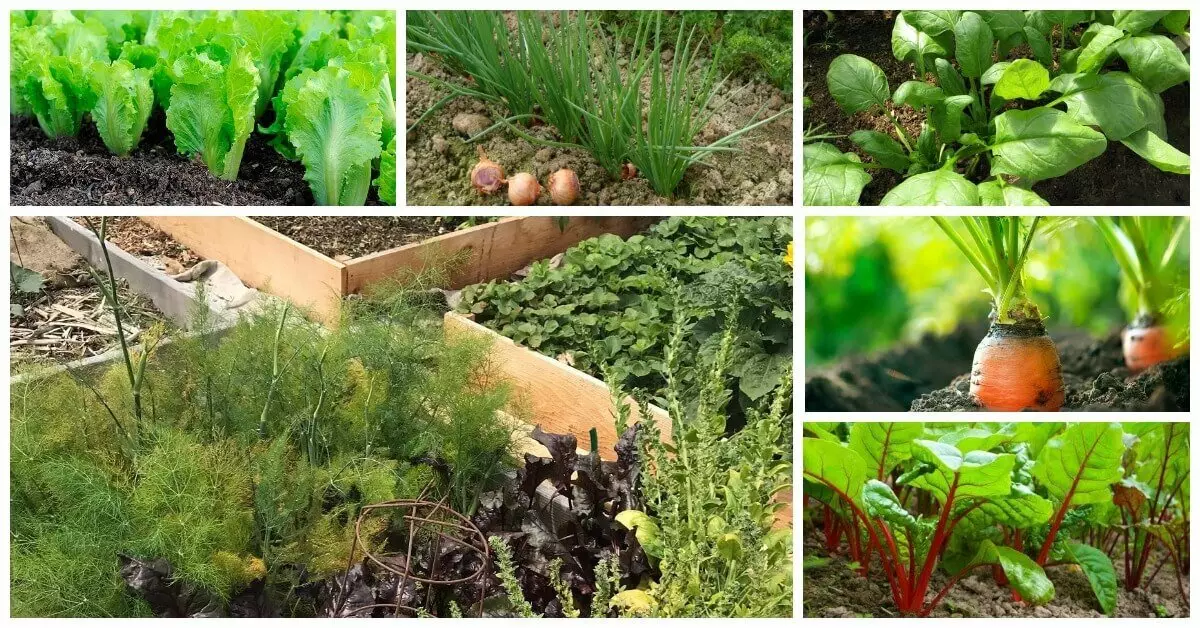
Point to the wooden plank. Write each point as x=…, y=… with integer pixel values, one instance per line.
x=558, y=397
x=263, y=259
x=492, y=251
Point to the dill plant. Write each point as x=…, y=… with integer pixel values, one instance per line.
x=245, y=471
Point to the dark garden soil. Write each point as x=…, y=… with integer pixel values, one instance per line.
x=81, y=171
x=347, y=237
x=1117, y=177
x=439, y=161
x=934, y=376
x=831, y=589
x=156, y=247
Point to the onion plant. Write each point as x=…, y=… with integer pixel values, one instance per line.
x=479, y=45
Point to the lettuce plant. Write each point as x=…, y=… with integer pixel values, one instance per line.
x=386, y=182
x=49, y=70
x=213, y=99
x=124, y=100
x=334, y=121
x=974, y=146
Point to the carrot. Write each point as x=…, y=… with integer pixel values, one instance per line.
x=1146, y=344
x=1016, y=368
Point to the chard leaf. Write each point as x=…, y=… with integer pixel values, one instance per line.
x=939, y=187
x=1155, y=61
x=1024, y=575
x=832, y=177
x=1042, y=143
x=978, y=473
x=884, y=445
x=836, y=466
x=880, y=502
x=1101, y=574
x=857, y=84
x=1081, y=464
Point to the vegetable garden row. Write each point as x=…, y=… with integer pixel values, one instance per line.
x=315, y=86
x=988, y=105
x=610, y=107
x=928, y=510
x=385, y=464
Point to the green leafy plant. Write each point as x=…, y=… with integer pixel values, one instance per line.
x=124, y=100
x=22, y=284
x=719, y=553
x=611, y=303
x=973, y=147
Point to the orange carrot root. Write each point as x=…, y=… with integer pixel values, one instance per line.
x=1013, y=372
x=1146, y=346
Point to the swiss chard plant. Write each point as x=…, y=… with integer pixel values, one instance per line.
x=945, y=481
x=993, y=126
x=1088, y=495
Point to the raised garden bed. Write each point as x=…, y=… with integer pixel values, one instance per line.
x=243, y=487
x=274, y=263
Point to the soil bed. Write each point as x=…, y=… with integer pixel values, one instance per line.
x=155, y=247
x=833, y=590
x=1117, y=177
x=438, y=159
x=81, y=171
x=934, y=376
x=348, y=237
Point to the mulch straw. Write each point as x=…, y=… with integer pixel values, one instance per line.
x=76, y=322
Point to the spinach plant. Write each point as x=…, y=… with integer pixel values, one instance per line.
x=610, y=304
x=993, y=127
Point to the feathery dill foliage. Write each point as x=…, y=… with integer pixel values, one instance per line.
x=234, y=475
x=712, y=500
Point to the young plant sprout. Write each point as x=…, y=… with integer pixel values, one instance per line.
x=1016, y=365
x=1145, y=248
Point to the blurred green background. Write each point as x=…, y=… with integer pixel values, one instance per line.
x=874, y=282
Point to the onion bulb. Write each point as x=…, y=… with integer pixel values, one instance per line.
x=628, y=171
x=564, y=186
x=487, y=176
x=523, y=189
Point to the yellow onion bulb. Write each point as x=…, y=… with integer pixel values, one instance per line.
x=563, y=186
x=487, y=176
x=523, y=189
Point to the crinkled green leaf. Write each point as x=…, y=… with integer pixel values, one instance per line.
x=1082, y=463
x=212, y=108
x=334, y=122
x=884, y=445
x=386, y=182
x=124, y=101
x=836, y=466
x=979, y=473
